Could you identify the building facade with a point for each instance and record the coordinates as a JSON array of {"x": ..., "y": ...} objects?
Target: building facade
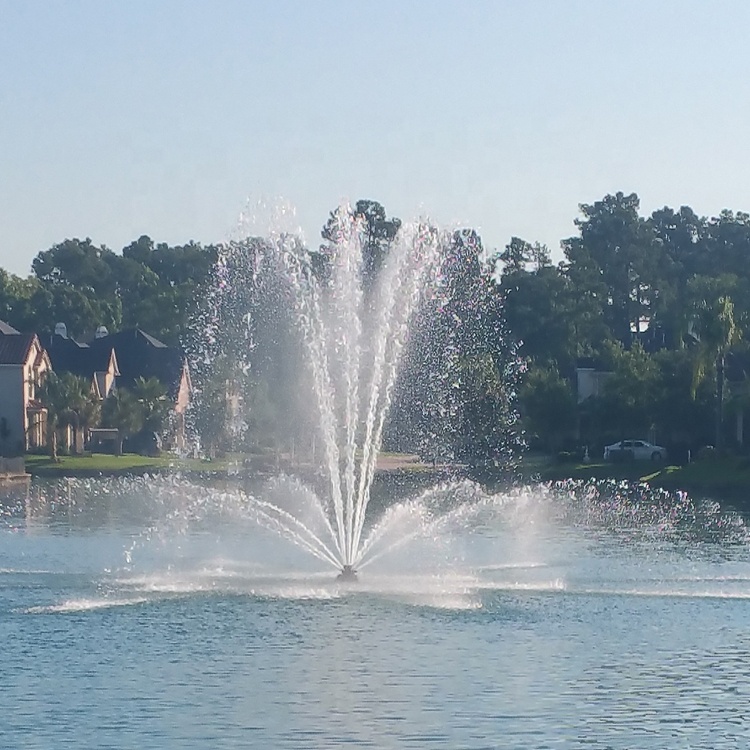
[{"x": 23, "y": 419}]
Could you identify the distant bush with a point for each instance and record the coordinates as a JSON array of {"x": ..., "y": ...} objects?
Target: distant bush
[{"x": 706, "y": 453}]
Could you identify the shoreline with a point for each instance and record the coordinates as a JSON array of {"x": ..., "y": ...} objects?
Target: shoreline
[{"x": 726, "y": 480}]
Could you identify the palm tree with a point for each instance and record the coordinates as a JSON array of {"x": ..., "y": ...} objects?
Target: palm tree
[
  {"x": 54, "y": 393},
  {"x": 69, "y": 402},
  {"x": 152, "y": 396},
  {"x": 50, "y": 393},
  {"x": 84, "y": 409},
  {"x": 716, "y": 333},
  {"x": 124, "y": 412}
]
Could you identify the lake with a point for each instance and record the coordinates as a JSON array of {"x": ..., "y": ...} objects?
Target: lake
[{"x": 145, "y": 614}]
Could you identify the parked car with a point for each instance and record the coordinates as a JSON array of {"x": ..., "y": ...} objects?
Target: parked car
[{"x": 638, "y": 450}]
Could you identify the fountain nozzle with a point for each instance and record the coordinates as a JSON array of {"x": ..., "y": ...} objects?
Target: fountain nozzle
[{"x": 347, "y": 575}]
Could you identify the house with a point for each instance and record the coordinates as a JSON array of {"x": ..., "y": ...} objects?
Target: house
[
  {"x": 96, "y": 364},
  {"x": 98, "y": 367},
  {"x": 23, "y": 363},
  {"x": 140, "y": 355}
]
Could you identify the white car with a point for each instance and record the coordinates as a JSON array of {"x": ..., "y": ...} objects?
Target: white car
[{"x": 638, "y": 450}]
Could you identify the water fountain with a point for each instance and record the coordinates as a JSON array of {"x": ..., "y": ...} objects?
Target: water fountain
[{"x": 352, "y": 314}]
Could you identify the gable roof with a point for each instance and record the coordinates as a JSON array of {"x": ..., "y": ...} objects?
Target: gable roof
[
  {"x": 150, "y": 339},
  {"x": 7, "y": 329},
  {"x": 15, "y": 348},
  {"x": 141, "y": 355},
  {"x": 68, "y": 355}
]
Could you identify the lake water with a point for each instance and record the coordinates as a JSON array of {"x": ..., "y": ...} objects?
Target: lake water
[{"x": 143, "y": 615}]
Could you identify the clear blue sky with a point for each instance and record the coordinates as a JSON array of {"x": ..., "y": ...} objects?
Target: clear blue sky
[{"x": 162, "y": 117}]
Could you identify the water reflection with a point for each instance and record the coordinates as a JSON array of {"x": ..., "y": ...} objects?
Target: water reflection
[{"x": 154, "y": 613}]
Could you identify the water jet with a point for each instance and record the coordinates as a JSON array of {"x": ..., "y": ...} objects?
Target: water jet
[{"x": 346, "y": 318}]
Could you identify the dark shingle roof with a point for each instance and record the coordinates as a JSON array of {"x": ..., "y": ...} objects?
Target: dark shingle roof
[
  {"x": 141, "y": 355},
  {"x": 151, "y": 340},
  {"x": 14, "y": 349},
  {"x": 68, "y": 355}
]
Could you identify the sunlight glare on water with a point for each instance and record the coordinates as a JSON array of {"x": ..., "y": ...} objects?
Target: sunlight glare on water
[{"x": 158, "y": 612}]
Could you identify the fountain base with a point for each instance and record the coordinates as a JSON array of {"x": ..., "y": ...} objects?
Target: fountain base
[{"x": 347, "y": 575}]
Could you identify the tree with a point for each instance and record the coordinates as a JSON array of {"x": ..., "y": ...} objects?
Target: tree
[
  {"x": 378, "y": 234},
  {"x": 15, "y": 294},
  {"x": 548, "y": 407},
  {"x": 542, "y": 313},
  {"x": 683, "y": 414},
  {"x": 728, "y": 242},
  {"x": 243, "y": 321},
  {"x": 65, "y": 397},
  {"x": 159, "y": 284},
  {"x": 715, "y": 332},
  {"x": 683, "y": 238},
  {"x": 484, "y": 431},
  {"x": 79, "y": 264},
  {"x": 152, "y": 287},
  {"x": 515, "y": 256},
  {"x": 52, "y": 395},
  {"x": 616, "y": 262},
  {"x": 519, "y": 254},
  {"x": 152, "y": 396},
  {"x": 81, "y": 310},
  {"x": 626, "y": 408},
  {"x": 454, "y": 396},
  {"x": 83, "y": 409},
  {"x": 123, "y": 412}
]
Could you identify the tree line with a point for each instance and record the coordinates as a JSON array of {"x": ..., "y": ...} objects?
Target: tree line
[
  {"x": 658, "y": 302},
  {"x": 146, "y": 285}
]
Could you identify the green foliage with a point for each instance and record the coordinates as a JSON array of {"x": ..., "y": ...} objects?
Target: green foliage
[
  {"x": 69, "y": 402},
  {"x": 379, "y": 232},
  {"x": 683, "y": 417},
  {"x": 660, "y": 301},
  {"x": 540, "y": 309},
  {"x": 454, "y": 399},
  {"x": 715, "y": 332},
  {"x": 519, "y": 254},
  {"x": 627, "y": 406},
  {"x": 486, "y": 414},
  {"x": 124, "y": 412},
  {"x": 209, "y": 415},
  {"x": 714, "y": 329},
  {"x": 152, "y": 397},
  {"x": 85, "y": 286},
  {"x": 548, "y": 407},
  {"x": 616, "y": 262}
]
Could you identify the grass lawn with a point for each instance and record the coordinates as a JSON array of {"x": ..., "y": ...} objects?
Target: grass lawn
[
  {"x": 725, "y": 478},
  {"x": 131, "y": 463},
  {"x": 106, "y": 463},
  {"x": 722, "y": 478}
]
